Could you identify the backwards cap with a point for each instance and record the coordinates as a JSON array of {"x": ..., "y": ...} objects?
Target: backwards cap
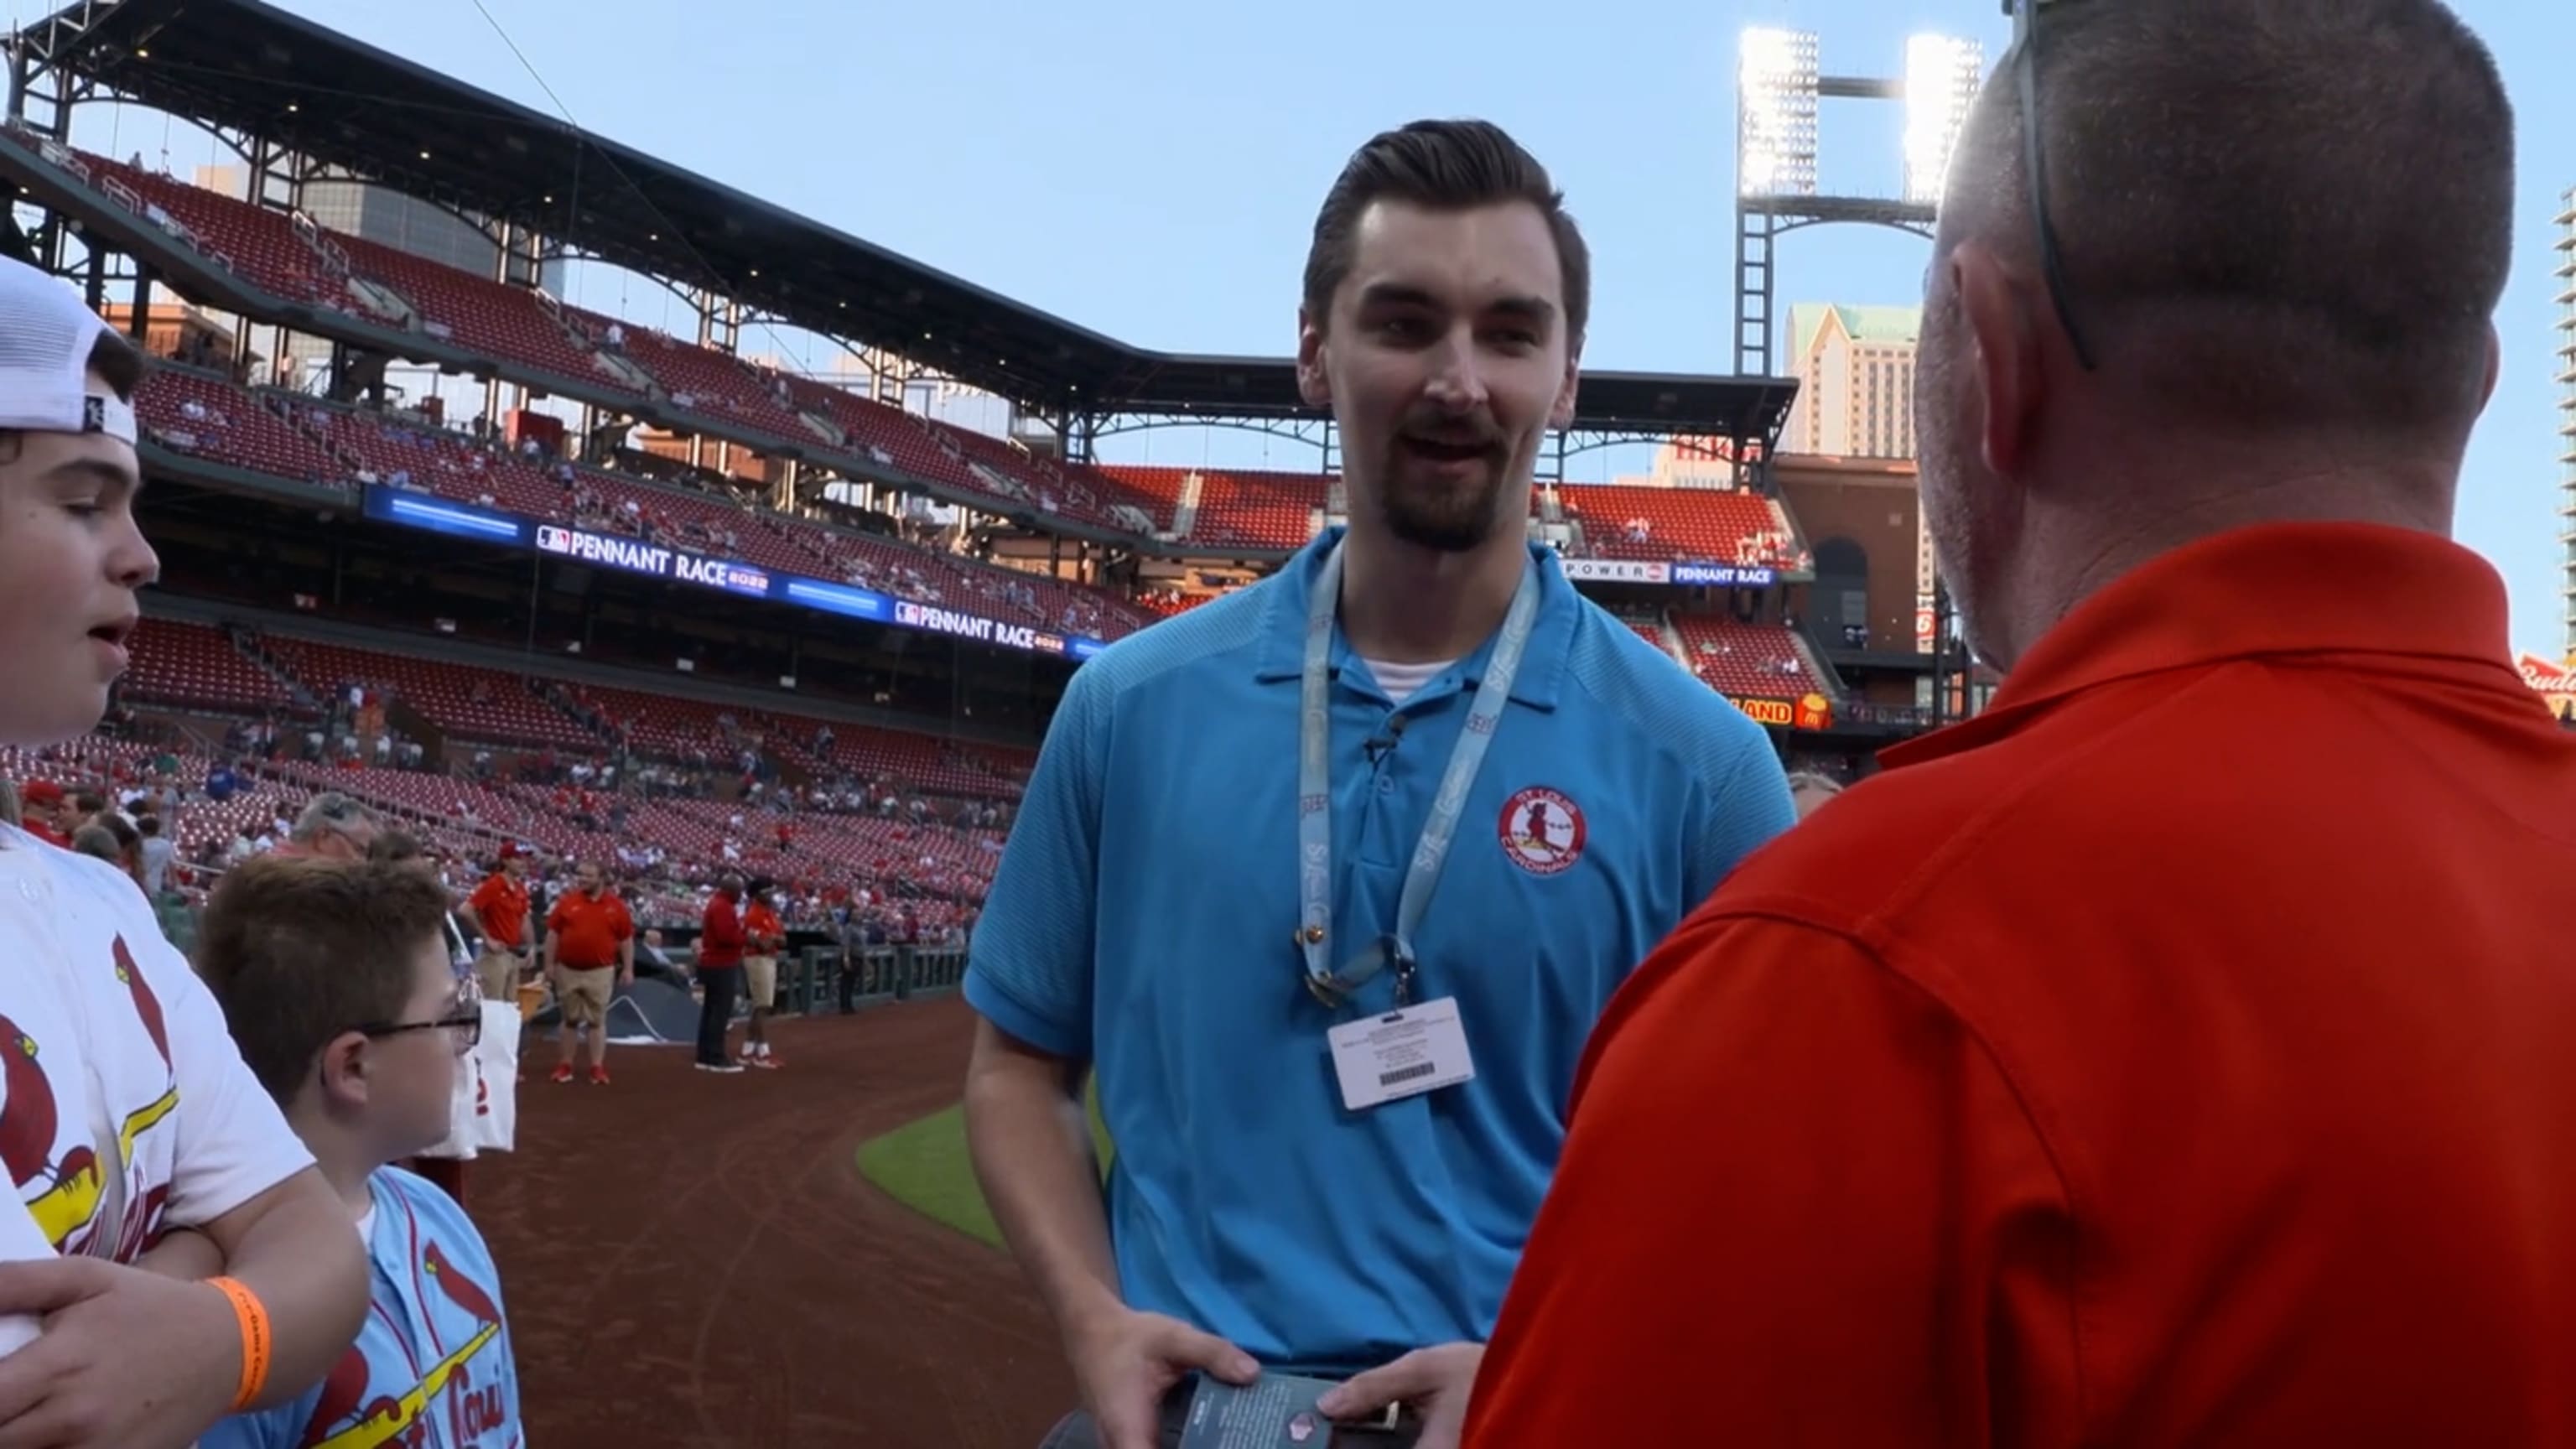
[{"x": 46, "y": 337}]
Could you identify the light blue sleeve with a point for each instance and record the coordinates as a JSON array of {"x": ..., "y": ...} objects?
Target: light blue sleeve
[
  {"x": 1744, "y": 801},
  {"x": 1029, "y": 967}
]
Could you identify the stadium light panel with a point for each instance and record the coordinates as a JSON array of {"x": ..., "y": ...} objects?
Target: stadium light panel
[
  {"x": 1775, "y": 89},
  {"x": 1942, "y": 74}
]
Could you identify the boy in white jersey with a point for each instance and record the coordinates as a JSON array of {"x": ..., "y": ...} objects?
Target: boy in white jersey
[
  {"x": 126, "y": 1116},
  {"x": 337, "y": 982}
]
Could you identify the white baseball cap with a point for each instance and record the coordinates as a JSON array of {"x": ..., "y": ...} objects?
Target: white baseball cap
[{"x": 46, "y": 336}]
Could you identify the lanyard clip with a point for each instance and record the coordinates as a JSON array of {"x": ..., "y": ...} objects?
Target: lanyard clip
[{"x": 1399, "y": 958}]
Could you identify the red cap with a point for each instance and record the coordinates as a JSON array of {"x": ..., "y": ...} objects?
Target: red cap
[{"x": 40, "y": 792}]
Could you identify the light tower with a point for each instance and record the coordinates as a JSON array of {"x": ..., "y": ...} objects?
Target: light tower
[
  {"x": 2567, "y": 414},
  {"x": 1778, "y": 187}
]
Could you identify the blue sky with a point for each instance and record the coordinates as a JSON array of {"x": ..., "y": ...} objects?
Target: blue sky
[{"x": 1149, "y": 168}]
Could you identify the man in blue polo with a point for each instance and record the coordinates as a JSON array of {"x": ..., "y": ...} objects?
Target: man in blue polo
[{"x": 1328, "y": 880}]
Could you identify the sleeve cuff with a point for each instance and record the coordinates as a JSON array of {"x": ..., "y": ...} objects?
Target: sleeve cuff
[{"x": 995, "y": 1004}]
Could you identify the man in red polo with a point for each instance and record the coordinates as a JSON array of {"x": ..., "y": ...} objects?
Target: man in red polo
[
  {"x": 499, "y": 909},
  {"x": 589, "y": 953},
  {"x": 2178, "y": 1053},
  {"x": 720, "y": 947}
]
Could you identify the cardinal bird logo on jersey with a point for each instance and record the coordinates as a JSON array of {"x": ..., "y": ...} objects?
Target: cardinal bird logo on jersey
[
  {"x": 61, "y": 1194},
  {"x": 143, "y": 1209},
  {"x": 346, "y": 1417},
  {"x": 146, "y": 1005}
]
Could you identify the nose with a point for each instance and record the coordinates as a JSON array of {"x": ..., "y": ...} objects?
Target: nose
[
  {"x": 1457, "y": 380},
  {"x": 131, "y": 561}
]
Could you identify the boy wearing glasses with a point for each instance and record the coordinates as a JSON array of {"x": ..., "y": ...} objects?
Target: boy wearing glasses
[{"x": 337, "y": 982}]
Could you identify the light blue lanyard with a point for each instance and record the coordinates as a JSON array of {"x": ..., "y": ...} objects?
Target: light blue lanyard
[{"x": 1315, "y": 792}]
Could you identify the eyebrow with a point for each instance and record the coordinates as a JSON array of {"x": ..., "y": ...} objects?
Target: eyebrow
[
  {"x": 95, "y": 470},
  {"x": 1403, "y": 294}
]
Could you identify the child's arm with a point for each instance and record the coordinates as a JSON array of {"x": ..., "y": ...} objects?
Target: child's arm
[{"x": 184, "y": 1254}]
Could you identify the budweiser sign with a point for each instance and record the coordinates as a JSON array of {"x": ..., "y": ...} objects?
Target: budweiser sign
[{"x": 2556, "y": 683}]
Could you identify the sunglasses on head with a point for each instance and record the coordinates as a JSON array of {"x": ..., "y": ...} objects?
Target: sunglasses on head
[{"x": 2025, "y": 17}]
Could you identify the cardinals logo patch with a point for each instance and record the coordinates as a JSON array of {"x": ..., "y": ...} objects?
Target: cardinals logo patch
[{"x": 1542, "y": 830}]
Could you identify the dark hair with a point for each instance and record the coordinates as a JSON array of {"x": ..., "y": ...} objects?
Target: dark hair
[
  {"x": 299, "y": 949},
  {"x": 118, "y": 364},
  {"x": 1444, "y": 166},
  {"x": 2275, "y": 211},
  {"x": 394, "y": 847}
]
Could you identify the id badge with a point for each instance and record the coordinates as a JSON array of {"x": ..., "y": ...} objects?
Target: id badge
[{"x": 1401, "y": 1053}]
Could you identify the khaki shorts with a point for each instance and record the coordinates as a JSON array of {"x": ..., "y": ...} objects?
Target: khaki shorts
[
  {"x": 500, "y": 975},
  {"x": 760, "y": 980},
  {"x": 584, "y": 995}
]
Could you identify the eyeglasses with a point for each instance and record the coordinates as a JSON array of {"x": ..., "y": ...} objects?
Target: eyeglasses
[
  {"x": 2025, "y": 17},
  {"x": 465, "y": 1021}
]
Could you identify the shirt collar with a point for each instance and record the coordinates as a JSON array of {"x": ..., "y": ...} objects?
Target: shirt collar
[
  {"x": 2271, "y": 589},
  {"x": 1542, "y": 672}
]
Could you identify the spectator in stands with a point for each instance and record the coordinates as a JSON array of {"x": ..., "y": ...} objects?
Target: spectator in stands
[
  {"x": 111, "y": 1023},
  {"x": 11, "y": 813},
  {"x": 1203, "y": 922},
  {"x": 720, "y": 949},
  {"x": 499, "y": 913},
  {"x": 48, "y": 815},
  {"x": 764, "y": 936},
  {"x": 336, "y": 979},
  {"x": 159, "y": 854},
  {"x": 589, "y": 953},
  {"x": 334, "y": 827},
  {"x": 2175, "y": 1053}
]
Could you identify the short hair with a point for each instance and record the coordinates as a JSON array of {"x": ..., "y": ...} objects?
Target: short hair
[
  {"x": 1443, "y": 166},
  {"x": 118, "y": 364},
  {"x": 395, "y": 847},
  {"x": 2273, "y": 211},
  {"x": 335, "y": 812},
  {"x": 298, "y": 949},
  {"x": 99, "y": 841}
]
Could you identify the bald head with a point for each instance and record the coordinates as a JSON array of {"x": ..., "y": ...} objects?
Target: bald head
[{"x": 2269, "y": 213}]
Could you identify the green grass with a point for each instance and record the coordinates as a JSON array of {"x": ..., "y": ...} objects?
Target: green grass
[{"x": 923, "y": 1165}]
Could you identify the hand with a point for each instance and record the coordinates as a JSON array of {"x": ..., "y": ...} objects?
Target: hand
[
  {"x": 1433, "y": 1381},
  {"x": 128, "y": 1359},
  {"x": 1125, "y": 1361},
  {"x": 625, "y": 975}
]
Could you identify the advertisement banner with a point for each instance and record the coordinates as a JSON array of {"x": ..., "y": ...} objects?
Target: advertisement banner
[
  {"x": 1618, "y": 571},
  {"x": 433, "y": 514},
  {"x": 1810, "y": 712},
  {"x": 2555, "y": 683},
  {"x": 1725, "y": 576}
]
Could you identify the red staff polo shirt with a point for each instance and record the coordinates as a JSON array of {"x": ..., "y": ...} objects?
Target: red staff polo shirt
[{"x": 2182, "y": 1052}]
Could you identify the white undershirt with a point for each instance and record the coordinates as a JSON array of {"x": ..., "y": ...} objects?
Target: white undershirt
[{"x": 1403, "y": 681}]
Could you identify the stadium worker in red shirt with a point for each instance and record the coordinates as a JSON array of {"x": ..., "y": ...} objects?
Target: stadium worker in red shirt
[
  {"x": 589, "y": 953},
  {"x": 764, "y": 935},
  {"x": 140, "y": 1151},
  {"x": 720, "y": 946},
  {"x": 2177, "y": 1053},
  {"x": 499, "y": 909}
]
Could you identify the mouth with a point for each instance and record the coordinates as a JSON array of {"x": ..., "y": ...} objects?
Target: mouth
[
  {"x": 116, "y": 634},
  {"x": 1450, "y": 451}
]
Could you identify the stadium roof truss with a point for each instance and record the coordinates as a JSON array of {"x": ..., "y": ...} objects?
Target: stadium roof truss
[{"x": 272, "y": 83}]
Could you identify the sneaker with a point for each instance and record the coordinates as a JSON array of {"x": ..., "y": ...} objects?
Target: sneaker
[
  {"x": 726, "y": 1067},
  {"x": 765, "y": 1062},
  {"x": 563, "y": 1072},
  {"x": 599, "y": 1076}
]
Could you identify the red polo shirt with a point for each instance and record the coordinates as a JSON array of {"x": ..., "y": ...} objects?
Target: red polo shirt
[{"x": 2183, "y": 1052}]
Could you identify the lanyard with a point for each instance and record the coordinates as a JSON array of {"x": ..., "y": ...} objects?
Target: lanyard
[{"x": 1315, "y": 785}]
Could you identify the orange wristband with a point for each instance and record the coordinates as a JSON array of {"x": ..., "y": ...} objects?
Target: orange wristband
[{"x": 254, "y": 1331}]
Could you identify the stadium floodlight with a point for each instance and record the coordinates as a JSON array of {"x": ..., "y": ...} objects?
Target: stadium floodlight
[
  {"x": 1941, "y": 77},
  {"x": 1776, "y": 113}
]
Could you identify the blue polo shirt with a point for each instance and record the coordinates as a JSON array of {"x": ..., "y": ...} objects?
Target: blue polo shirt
[{"x": 1143, "y": 918}]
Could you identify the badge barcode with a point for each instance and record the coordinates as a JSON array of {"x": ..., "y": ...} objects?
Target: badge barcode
[{"x": 1406, "y": 1074}]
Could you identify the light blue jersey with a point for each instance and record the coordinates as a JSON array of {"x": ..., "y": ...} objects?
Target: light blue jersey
[
  {"x": 1144, "y": 917},
  {"x": 432, "y": 1367}
]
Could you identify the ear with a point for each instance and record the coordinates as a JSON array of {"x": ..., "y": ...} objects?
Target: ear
[
  {"x": 1312, "y": 383},
  {"x": 344, "y": 1068},
  {"x": 2495, "y": 367},
  {"x": 2004, "y": 362},
  {"x": 1561, "y": 413}
]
